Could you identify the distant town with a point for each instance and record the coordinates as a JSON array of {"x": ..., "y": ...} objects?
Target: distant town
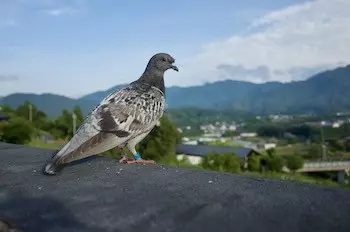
[{"x": 236, "y": 133}]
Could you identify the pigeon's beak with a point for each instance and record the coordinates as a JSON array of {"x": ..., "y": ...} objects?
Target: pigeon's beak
[{"x": 175, "y": 68}]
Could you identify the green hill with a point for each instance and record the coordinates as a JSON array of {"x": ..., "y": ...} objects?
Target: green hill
[{"x": 323, "y": 93}]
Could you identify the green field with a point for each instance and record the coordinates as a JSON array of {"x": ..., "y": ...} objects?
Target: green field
[
  {"x": 54, "y": 144},
  {"x": 298, "y": 148}
]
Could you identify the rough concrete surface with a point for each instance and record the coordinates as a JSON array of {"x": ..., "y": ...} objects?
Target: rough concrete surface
[{"x": 102, "y": 195}]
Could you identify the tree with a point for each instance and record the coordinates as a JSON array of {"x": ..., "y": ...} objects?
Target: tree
[
  {"x": 271, "y": 151},
  {"x": 292, "y": 140},
  {"x": 270, "y": 131},
  {"x": 64, "y": 123},
  {"x": 346, "y": 144},
  {"x": 253, "y": 163},
  {"x": 274, "y": 162},
  {"x": 222, "y": 162},
  {"x": 305, "y": 131},
  {"x": 213, "y": 161},
  {"x": 17, "y": 131},
  {"x": 38, "y": 117},
  {"x": 7, "y": 109},
  {"x": 335, "y": 145},
  {"x": 79, "y": 114},
  {"x": 161, "y": 141},
  {"x": 314, "y": 152},
  {"x": 232, "y": 163},
  {"x": 294, "y": 162}
]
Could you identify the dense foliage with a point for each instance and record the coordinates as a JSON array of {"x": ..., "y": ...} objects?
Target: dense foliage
[
  {"x": 17, "y": 131},
  {"x": 329, "y": 135},
  {"x": 161, "y": 141},
  {"x": 294, "y": 162},
  {"x": 222, "y": 162},
  {"x": 273, "y": 161},
  {"x": 254, "y": 163}
]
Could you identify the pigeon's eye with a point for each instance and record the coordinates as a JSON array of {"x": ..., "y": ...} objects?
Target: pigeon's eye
[{"x": 163, "y": 59}]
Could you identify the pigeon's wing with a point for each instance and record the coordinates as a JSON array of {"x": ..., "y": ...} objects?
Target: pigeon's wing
[
  {"x": 134, "y": 111},
  {"x": 122, "y": 115}
]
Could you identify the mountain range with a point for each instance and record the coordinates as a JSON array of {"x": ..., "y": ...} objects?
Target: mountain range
[{"x": 324, "y": 92}]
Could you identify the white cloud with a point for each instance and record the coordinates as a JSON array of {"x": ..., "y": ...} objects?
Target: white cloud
[
  {"x": 60, "y": 11},
  {"x": 290, "y": 44},
  {"x": 63, "y": 7}
]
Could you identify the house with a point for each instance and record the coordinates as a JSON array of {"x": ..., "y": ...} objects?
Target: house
[
  {"x": 248, "y": 135},
  {"x": 335, "y": 124},
  {"x": 4, "y": 117},
  {"x": 195, "y": 153},
  {"x": 191, "y": 142},
  {"x": 266, "y": 146}
]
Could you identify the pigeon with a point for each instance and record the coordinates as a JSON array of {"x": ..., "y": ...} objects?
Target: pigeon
[{"x": 122, "y": 119}]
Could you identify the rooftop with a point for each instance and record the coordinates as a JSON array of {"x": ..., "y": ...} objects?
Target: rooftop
[
  {"x": 102, "y": 195},
  {"x": 202, "y": 150},
  {"x": 3, "y": 116}
]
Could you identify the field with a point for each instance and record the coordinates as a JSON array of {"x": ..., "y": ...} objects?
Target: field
[
  {"x": 292, "y": 149},
  {"x": 52, "y": 144}
]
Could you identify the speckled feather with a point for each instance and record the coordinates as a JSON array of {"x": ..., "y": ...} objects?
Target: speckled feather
[{"x": 133, "y": 109}]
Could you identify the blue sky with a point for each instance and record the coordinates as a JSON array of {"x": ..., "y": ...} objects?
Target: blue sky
[{"x": 74, "y": 47}]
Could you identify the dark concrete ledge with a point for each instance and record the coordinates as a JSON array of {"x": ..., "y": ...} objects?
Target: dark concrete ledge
[{"x": 103, "y": 195}]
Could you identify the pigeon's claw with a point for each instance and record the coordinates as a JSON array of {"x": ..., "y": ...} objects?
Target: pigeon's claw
[
  {"x": 125, "y": 159},
  {"x": 141, "y": 161}
]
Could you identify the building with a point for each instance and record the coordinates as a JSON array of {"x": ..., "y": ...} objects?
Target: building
[
  {"x": 248, "y": 135},
  {"x": 191, "y": 142},
  {"x": 266, "y": 146},
  {"x": 243, "y": 143},
  {"x": 4, "y": 117},
  {"x": 195, "y": 153},
  {"x": 335, "y": 124}
]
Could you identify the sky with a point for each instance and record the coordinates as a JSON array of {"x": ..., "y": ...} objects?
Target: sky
[{"x": 75, "y": 47}]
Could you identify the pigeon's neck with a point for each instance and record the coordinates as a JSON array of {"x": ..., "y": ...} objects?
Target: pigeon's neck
[{"x": 154, "y": 78}]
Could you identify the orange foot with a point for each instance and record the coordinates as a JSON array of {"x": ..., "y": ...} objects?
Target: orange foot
[
  {"x": 140, "y": 161},
  {"x": 125, "y": 159}
]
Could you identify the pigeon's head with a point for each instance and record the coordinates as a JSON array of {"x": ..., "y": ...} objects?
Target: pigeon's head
[{"x": 162, "y": 62}]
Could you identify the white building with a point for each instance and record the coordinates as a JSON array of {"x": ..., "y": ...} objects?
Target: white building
[
  {"x": 248, "y": 134},
  {"x": 266, "y": 146},
  {"x": 191, "y": 142}
]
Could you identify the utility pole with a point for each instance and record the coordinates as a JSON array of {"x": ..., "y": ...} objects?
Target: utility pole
[
  {"x": 74, "y": 123},
  {"x": 30, "y": 112},
  {"x": 324, "y": 154}
]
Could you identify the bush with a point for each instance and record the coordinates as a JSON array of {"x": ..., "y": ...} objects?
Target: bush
[
  {"x": 254, "y": 163},
  {"x": 17, "y": 131},
  {"x": 314, "y": 152},
  {"x": 222, "y": 162},
  {"x": 271, "y": 151},
  {"x": 294, "y": 162},
  {"x": 160, "y": 142},
  {"x": 274, "y": 162}
]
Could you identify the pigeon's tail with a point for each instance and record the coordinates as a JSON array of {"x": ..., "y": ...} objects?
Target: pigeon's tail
[{"x": 53, "y": 166}]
